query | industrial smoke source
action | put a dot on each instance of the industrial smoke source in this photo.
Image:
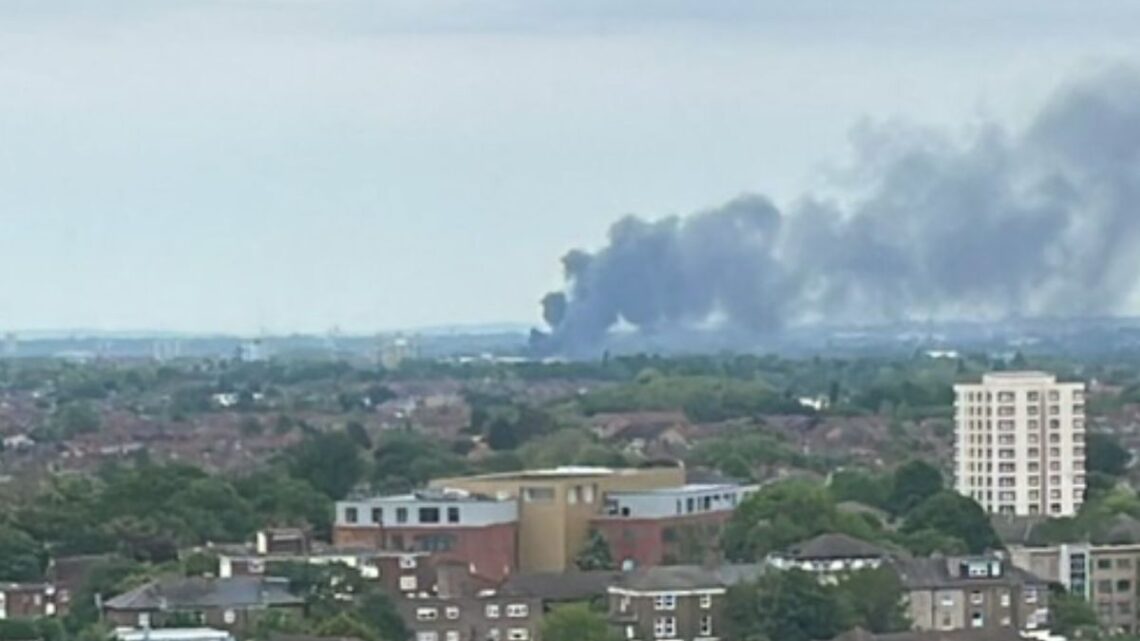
(1039, 221)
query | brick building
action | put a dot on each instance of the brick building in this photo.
(27, 600)
(396, 572)
(449, 524)
(666, 526)
(234, 604)
(1108, 576)
(680, 603)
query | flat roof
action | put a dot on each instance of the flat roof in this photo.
(688, 488)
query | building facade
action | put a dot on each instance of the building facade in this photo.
(487, 617)
(666, 526)
(448, 523)
(680, 603)
(1106, 575)
(970, 593)
(1019, 443)
(555, 507)
(235, 604)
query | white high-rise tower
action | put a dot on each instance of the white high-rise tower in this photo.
(1020, 443)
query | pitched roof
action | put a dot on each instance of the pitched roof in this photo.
(834, 546)
(203, 592)
(980, 634)
(557, 586)
(935, 573)
(688, 577)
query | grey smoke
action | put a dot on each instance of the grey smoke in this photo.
(1006, 223)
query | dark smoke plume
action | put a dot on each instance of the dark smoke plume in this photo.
(1041, 221)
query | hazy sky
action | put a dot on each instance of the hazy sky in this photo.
(298, 164)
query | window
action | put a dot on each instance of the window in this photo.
(1034, 495)
(1005, 621)
(1124, 563)
(407, 562)
(665, 627)
(1033, 423)
(452, 515)
(1124, 607)
(429, 515)
(572, 494)
(946, 600)
(350, 515)
(976, 597)
(1124, 585)
(538, 494)
(587, 493)
(1034, 439)
(1104, 564)
(401, 515)
(426, 614)
(1054, 395)
(706, 601)
(976, 620)
(144, 619)
(518, 634)
(665, 602)
(452, 635)
(427, 636)
(229, 616)
(452, 612)
(1031, 595)
(1055, 508)
(377, 515)
(1054, 480)
(1054, 438)
(1033, 397)
(1054, 466)
(517, 610)
(408, 584)
(1033, 452)
(1005, 599)
(492, 611)
(706, 626)
(1104, 586)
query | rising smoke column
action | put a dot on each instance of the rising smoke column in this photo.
(1040, 221)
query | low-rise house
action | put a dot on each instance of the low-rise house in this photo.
(830, 554)
(233, 604)
(396, 572)
(981, 634)
(982, 592)
(682, 603)
(27, 600)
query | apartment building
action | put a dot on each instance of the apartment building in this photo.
(1106, 575)
(666, 526)
(1019, 443)
(483, 617)
(960, 593)
(450, 523)
(680, 603)
(556, 507)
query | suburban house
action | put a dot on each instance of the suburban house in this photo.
(396, 572)
(957, 593)
(980, 634)
(27, 600)
(830, 554)
(233, 604)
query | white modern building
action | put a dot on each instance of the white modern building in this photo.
(1020, 443)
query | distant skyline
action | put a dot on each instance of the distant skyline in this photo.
(296, 165)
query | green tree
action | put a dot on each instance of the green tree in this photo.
(785, 513)
(329, 461)
(1106, 455)
(789, 606)
(595, 554)
(913, 483)
(1069, 613)
(953, 515)
(861, 486)
(576, 622)
(875, 598)
(345, 625)
(21, 557)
